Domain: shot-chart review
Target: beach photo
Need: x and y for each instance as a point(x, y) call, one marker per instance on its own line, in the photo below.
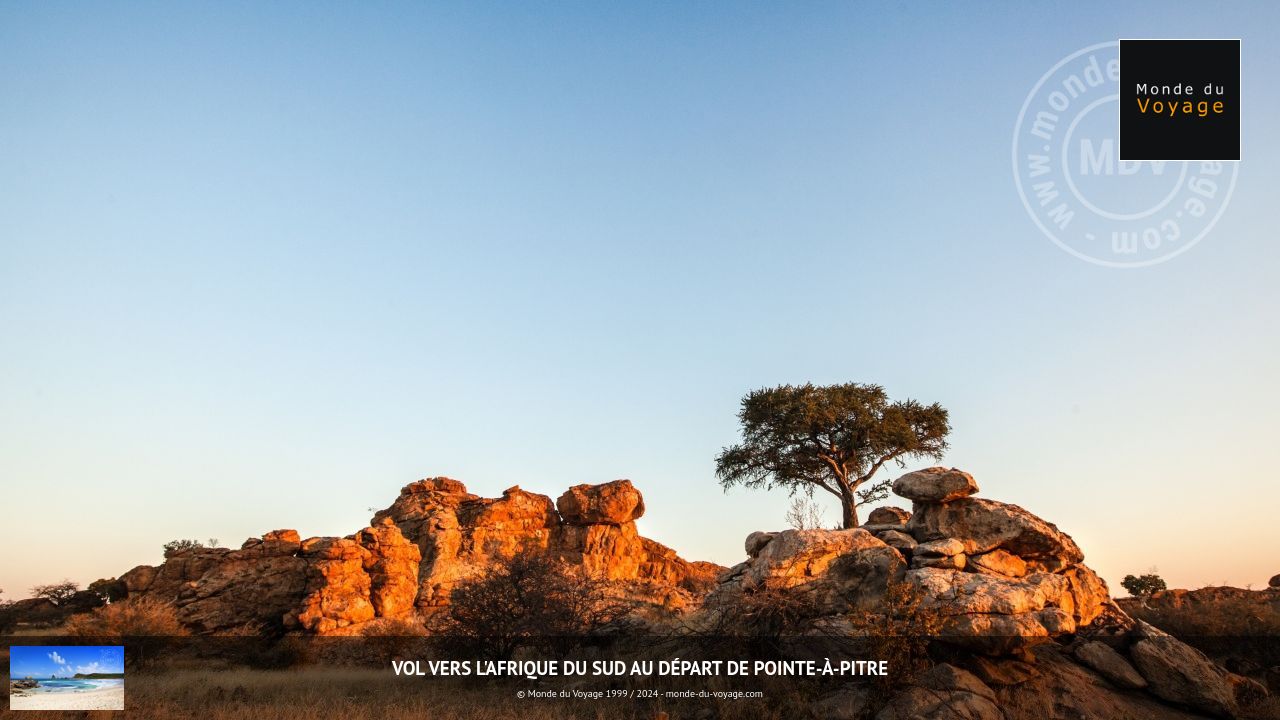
point(66, 677)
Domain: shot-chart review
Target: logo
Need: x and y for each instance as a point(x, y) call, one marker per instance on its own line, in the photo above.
point(1082, 196)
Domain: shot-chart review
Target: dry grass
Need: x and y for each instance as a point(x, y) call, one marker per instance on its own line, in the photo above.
point(141, 617)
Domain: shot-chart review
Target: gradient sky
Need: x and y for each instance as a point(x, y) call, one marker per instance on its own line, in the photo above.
point(42, 661)
point(261, 264)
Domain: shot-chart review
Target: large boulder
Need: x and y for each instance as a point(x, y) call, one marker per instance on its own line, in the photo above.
point(986, 525)
point(1181, 674)
point(612, 503)
point(935, 485)
point(944, 692)
point(1110, 664)
point(996, 614)
point(838, 569)
point(888, 516)
point(1274, 581)
point(1064, 689)
point(139, 579)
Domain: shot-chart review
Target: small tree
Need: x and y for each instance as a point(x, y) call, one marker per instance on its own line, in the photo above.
point(833, 437)
point(804, 513)
point(1142, 586)
point(57, 593)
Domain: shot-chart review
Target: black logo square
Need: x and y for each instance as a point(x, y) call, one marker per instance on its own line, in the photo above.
point(1179, 99)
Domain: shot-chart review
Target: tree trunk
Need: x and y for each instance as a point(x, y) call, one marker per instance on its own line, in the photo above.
point(849, 508)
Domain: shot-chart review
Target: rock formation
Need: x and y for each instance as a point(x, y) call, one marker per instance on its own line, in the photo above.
point(434, 536)
point(1026, 628)
point(1013, 598)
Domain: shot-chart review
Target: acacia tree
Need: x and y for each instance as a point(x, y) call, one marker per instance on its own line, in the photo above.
point(57, 593)
point(831, 437)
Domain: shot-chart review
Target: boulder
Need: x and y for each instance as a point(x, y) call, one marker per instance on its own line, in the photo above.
point(1247, 691)
point(888, 516)
point(944, 692)
point(995, 614)
point(840, 569)
point(946, 554)
point(998, 562)
point(1108, 663)
point(612, 503)
point(1089, 594)
point(1063, 689)
point(612, 552)
point(1274, 581)
point(137, 580)
point(899, 541)
point(986, 525)
point(935, 485)
point(1180, 674)
point(756, 541)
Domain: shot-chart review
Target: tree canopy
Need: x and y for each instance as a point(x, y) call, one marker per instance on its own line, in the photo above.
point(1142, 586)
point(831, 437)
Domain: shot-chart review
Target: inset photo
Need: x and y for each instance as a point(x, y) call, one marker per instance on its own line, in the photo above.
point(66, 677)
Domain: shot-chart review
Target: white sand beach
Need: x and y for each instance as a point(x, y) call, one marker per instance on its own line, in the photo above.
point(108, 698)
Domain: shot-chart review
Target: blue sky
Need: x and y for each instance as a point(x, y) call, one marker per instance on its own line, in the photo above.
point(42, 661)
point(261, 265)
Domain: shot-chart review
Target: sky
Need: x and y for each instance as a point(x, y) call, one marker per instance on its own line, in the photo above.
point(263, 264)
point(43, 661)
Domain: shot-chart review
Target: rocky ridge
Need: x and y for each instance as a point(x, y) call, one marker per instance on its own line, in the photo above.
point(434, 536)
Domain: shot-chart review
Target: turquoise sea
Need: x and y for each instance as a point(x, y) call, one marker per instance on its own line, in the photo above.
point(74, 685)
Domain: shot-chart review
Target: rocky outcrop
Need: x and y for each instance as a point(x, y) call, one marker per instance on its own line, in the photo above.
point(1004, 587)
point(253, 587)
point(1274, 581)
point(434, 536)
point(592, 526)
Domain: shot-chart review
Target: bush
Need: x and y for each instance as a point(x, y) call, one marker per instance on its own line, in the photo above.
point(177, 546)
point(146, 623)
point(531, 601)
point(139, 617)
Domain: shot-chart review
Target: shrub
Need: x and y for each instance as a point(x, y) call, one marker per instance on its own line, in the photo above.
point(138, 617)
point(530, 601)
point(177, 546)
